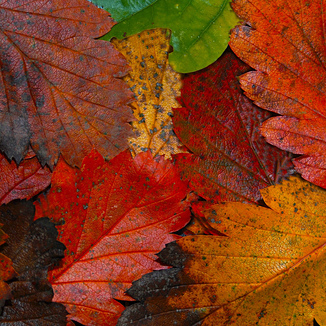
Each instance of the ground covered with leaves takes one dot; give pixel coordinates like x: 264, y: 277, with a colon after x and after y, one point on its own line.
x: 162, y: 163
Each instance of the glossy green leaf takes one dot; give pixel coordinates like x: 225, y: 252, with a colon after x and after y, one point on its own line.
x: 200, y: 28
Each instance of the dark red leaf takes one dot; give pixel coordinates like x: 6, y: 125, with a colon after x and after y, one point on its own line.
x: 219, y: 125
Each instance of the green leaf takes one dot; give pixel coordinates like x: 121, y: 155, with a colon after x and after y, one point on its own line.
x: 200, y: 28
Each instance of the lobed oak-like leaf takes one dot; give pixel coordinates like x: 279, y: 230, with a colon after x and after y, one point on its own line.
x: 156, y: 87
x: 285, y: 42
x: 60, y: 90
x: 219, y: 125
x: 269, y: 270
x: 33, y: 248
x: 23, y: 181
x: 200, y: 29
x: 114, y: 217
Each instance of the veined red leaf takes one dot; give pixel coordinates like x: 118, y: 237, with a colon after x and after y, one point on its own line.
x: 219, y: 125
x: 115, y: 216
x: 23, y: 181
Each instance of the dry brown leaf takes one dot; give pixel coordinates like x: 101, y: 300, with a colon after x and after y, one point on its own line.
x: 156, y: 86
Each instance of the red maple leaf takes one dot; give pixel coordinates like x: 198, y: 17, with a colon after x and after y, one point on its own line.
x: 115, y: 216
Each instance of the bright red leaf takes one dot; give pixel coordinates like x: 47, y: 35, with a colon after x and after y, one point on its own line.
x: 219, y: 125
x: 59, y: 88
x: 114, y: 217
x: 285, y: 42
x: 23, y: 181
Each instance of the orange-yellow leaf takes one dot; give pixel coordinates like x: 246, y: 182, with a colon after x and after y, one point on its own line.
x: 156, y: 86
x: 269, y: 270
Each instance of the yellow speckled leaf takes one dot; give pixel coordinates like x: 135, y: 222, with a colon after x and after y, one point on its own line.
x: 156, y: 86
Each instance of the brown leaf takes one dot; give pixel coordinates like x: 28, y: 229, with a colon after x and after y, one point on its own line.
x: 6, y: 271
x: 33, y: 248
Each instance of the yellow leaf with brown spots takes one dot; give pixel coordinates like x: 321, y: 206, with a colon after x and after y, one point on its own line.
x: 156, y: 86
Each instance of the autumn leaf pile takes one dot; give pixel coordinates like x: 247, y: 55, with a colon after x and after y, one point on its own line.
x: 162, y: 163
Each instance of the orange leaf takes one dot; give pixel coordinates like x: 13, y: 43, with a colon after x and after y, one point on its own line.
x: 23, y: 181
x: 285, y: 42
x: 115, y: 216
x: 270, y: 270
x: 60, y: 88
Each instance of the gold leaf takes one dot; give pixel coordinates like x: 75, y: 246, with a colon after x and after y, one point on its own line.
x: 156, y: 86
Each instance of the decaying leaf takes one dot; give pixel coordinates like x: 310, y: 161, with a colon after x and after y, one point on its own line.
x: 285, y: 42
x: 23, y: 181
x: 33, y: 248
x: 33, y: 314
x: 219, y: 125
x: 114, y: 217
x: 6, y: 271
x: 200, y: 29
x: 156, y: 87
x: 269, y: 270
x: 59, y: 88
